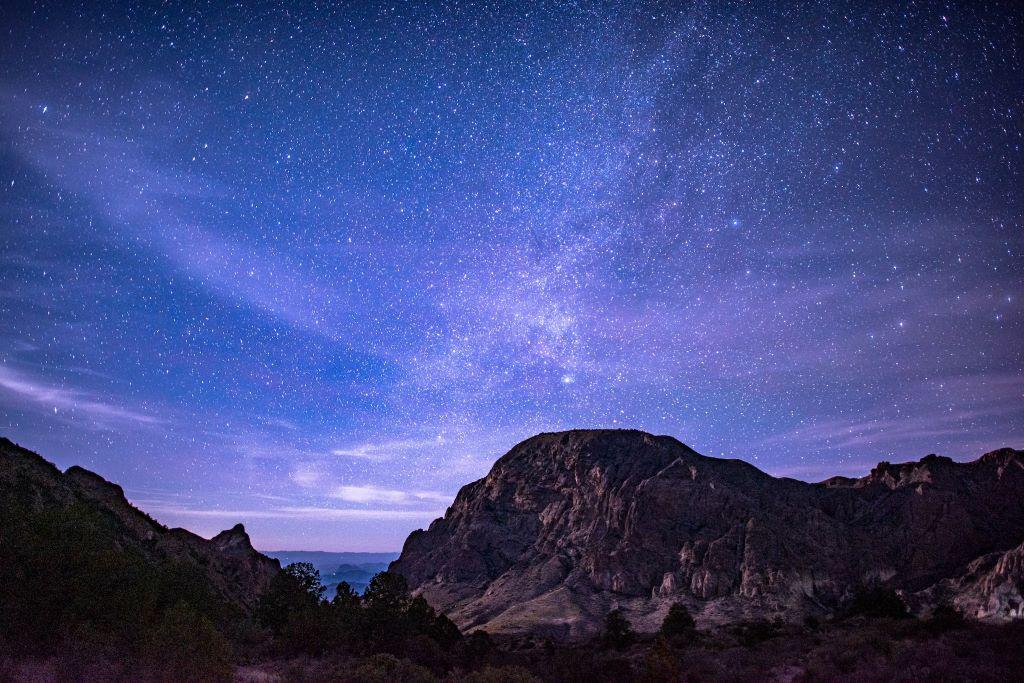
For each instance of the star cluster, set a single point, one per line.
(313, 266)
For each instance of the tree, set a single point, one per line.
(293, 590)
(387, 593)
(421, 615)
(307, 578)
(345, 598)
(444, 630)
(677, 622)
(386, 602)
(618, 632)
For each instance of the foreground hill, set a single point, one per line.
(78, 560)
(567, 526)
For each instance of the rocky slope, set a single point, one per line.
(236, 571)
(567, 526)
(991, 589)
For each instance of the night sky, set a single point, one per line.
(313, 267)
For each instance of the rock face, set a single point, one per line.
(235, 570)
(991, 589)
(567, 526)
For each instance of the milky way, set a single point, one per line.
(313, 268)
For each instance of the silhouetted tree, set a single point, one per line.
(345, 598)
(444, 631)
(618, 632)
(421, 615)
(677, 622)
(385, 605)
(387, 593)
(294, 590)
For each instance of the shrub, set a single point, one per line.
(944, 618)
(385, 668)
(753, 632)
(677, 622)
(477, 648)
(877, 601)
(661, 664)
(618, 632)
(185, 646)
(499, 674)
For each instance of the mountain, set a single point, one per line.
(570, 525)
(92, 516)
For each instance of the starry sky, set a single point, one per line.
(314, 266)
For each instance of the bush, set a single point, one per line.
(477, 648)
(500, 674)
(677, 622)
(384, 668)
(661, 664)
(753, 632)
(944, 618)
(877, 601)
(185, 646)
(618, 632)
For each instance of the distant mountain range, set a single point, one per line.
(568, 526)
(354, 568)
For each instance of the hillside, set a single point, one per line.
(76, 558)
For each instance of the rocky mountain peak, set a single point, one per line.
(1003, 457)
(95, 485)
(234, 539)
(567, 525)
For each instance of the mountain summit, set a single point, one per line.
(567, 526)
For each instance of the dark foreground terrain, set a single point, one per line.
(858, 649)
(93, 589)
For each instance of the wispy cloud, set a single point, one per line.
(386, 450)
(375, 494)
(77, 402)
(151, 204)
(306, 475)
(294, 512)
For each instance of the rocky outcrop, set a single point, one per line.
(567, 526)
(990, 590)
(235, 570)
